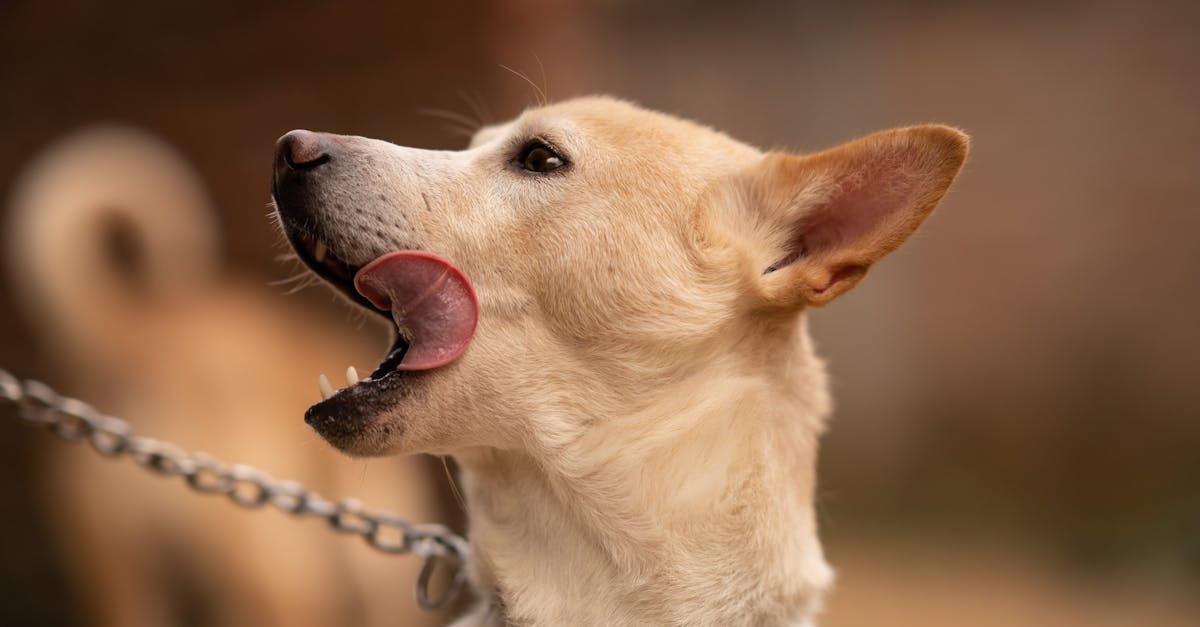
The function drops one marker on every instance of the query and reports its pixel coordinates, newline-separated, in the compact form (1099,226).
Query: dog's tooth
(351,376)
(326,387)
(319,251)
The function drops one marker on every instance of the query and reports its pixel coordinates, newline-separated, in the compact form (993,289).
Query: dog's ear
(821,220)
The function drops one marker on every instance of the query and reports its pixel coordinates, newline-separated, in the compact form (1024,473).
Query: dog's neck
(674,515)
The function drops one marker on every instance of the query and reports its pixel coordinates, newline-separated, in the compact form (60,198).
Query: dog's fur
(637,415)
(147,331)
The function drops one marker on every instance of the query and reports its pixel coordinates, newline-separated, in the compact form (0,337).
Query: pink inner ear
(865,199)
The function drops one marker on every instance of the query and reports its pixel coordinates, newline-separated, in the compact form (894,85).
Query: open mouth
(434,310)
(316,255)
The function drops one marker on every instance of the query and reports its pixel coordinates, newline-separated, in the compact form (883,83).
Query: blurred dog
(626,377)
(113,246)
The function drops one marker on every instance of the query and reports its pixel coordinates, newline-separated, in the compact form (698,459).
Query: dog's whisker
(545,85)
(487,116)
(475,108)
(458,497)
(459,130)
(541,95)
(301,287)
(358,317)
(451,116)
(476,119)
(300,276)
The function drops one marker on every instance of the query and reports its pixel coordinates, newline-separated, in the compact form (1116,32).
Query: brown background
(1019,420)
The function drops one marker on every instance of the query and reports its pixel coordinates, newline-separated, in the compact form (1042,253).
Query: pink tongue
(431,301)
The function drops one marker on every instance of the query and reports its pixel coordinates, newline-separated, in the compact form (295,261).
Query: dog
(600,314)
(114,250)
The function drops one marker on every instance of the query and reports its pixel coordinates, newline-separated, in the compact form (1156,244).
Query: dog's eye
(538,157)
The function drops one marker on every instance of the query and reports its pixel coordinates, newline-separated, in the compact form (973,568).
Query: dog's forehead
(623,123)
(593,121)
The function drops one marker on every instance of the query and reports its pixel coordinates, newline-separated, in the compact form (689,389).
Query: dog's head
(582,259)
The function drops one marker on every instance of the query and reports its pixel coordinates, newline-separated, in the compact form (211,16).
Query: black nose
(303,150)
(300,151)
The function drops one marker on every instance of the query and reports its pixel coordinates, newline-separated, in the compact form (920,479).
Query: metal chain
(75,421)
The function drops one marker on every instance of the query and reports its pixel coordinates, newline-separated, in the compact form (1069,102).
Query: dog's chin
(361,420)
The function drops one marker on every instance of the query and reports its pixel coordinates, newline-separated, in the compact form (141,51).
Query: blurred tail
(105,222)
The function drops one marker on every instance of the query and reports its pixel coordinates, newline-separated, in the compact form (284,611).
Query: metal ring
(435,538)
(378,536)
(109,442)
(242,476)
(458,578)
(37,404)
(316,506)
(72,427)
(208,476)
(288,496)
(348,517)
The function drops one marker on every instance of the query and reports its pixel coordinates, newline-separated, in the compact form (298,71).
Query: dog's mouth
(316,255)
(434,310)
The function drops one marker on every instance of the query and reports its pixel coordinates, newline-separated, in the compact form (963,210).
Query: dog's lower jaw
(616,541)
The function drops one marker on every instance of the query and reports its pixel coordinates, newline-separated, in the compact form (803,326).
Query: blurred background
(1017,438)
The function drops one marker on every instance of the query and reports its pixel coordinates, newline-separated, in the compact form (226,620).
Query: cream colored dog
(601,316)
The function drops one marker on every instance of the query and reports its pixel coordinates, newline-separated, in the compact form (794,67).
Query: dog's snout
(302,150)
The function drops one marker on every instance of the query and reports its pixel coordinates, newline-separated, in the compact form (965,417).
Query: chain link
(74,421)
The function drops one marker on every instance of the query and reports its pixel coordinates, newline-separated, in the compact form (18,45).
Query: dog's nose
(299,157)
(300,150)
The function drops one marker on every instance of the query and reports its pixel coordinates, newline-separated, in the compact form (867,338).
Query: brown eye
(538,157)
